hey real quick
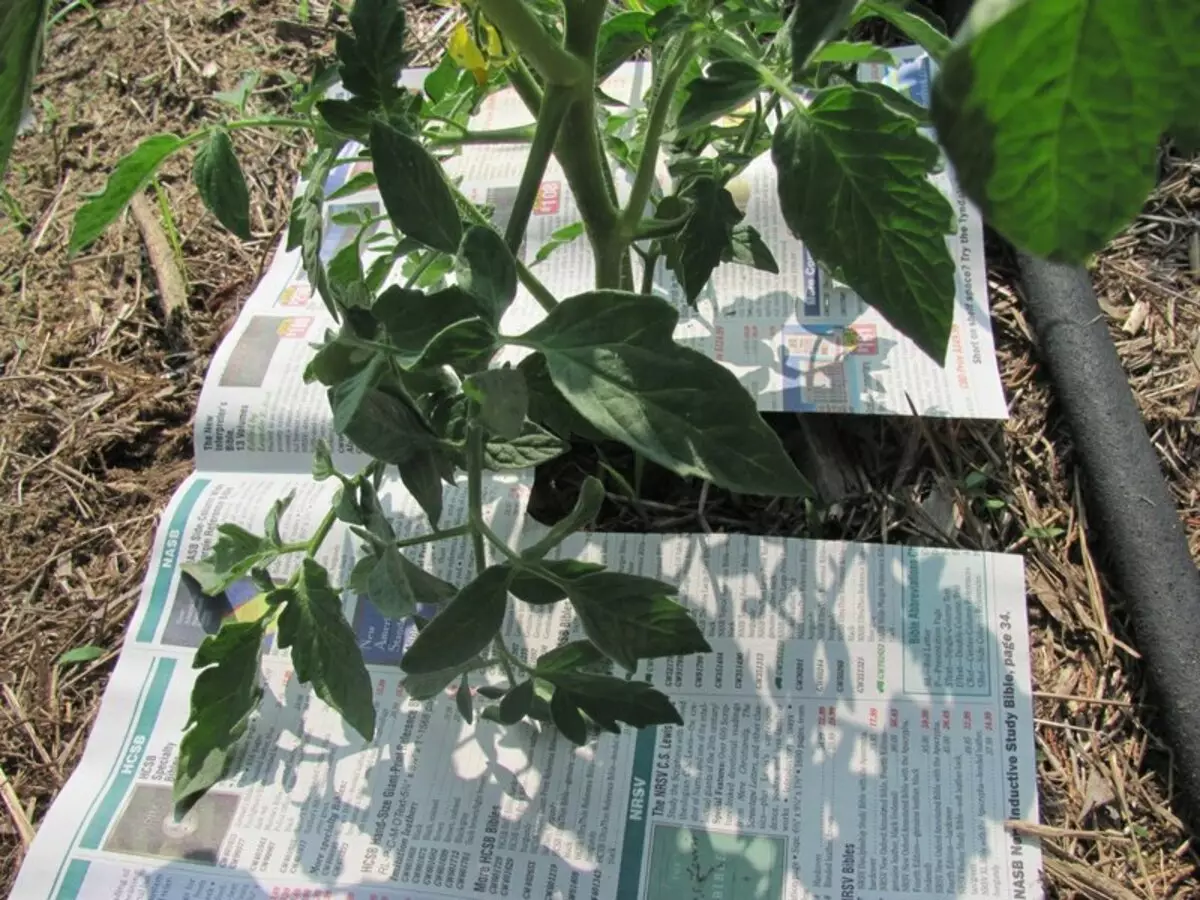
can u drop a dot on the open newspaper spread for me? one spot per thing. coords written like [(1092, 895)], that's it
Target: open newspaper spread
[(861, 730)]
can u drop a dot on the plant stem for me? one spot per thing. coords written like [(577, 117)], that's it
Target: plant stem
[(518, 135), (660, 105), (525, 85), (751, 133), (269, 122), (475, 492), (555, 103), (421, 267), (520, 27), (322, 532), (650, 263)]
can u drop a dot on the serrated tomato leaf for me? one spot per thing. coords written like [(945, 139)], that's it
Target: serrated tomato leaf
[(234, 554), (608, 700)]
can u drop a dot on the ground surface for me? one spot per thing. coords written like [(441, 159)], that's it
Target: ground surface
[(96, 394)]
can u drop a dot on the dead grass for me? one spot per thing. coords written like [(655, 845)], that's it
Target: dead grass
[(97, 392)]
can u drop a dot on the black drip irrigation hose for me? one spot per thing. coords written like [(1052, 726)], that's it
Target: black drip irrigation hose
[(1127, 499)]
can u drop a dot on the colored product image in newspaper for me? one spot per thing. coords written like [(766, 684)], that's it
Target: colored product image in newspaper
[(251, 357), (147, 826), (193, 616), (821, 364), (700, 864)]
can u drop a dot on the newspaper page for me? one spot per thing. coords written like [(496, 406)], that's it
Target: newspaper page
[(861, 729)]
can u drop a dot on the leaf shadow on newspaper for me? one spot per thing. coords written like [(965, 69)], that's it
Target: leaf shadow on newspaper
[(799, 775), (799, 365)]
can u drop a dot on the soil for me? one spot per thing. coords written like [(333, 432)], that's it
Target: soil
[(98, 385)]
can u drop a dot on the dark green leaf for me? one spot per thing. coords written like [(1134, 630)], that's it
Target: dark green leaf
[(853, 187), (486, 269), (502, 399), (415, 194), (421, 474), (897, 101), (462, 700), (608, 700), (415, 321), (813, 23), (224, 697), (233, 555), (346, 398), (325, 652), (1059, 149), (725, 85), (21, 29), (222, 186), (747, 248), (491, 691), (465, 345), (336, 362), (630, 618), (570, 657), (358, 182), (534, 447), (559, 238), (351, 118), (621, 37), (278, 508), (567, 719), (612, 355), (360, 574), (387, 428), (322, 465), (371, 60), (397, 585), (855, 52), (582, 514), (705, 237), (428, 686), (307, 223), (131, 174), (917, 24), (515, 705), (530, 587), (548, 407), (464, 628), (346, 279)]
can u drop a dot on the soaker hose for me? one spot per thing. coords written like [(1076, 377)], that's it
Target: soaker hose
[(1127, 499)]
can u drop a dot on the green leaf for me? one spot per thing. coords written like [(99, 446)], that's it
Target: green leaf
[(621, 37), (325, 652), (422, 476), (464, 628), (897, 101), (322, 464), (130, 175), (608, 700), (502, 399), (487, 270), (358, 182), (21, 29), (416, 196), (429, 329), (570, 657), (224, 697), (385, 427), (548, 407), (613, 357), (516, 703), (346, 280), (351, 117), (371, 60), (813, 22), (630, 618), (84, 654), (528, 586), (559, 238), (347, 397), (307, 223), (1059, 149), (853, 187), (920, 27), (234, 554), (747, 248), (725, 85), (462, 700), (278, 508), (534, 446), (397, 585), (240, 95), (582, 514), (706, 236), (853, 52), (567, 719), (222, 186), (428, 686)]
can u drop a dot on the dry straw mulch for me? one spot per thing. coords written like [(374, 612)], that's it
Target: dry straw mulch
[(97, 389)]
